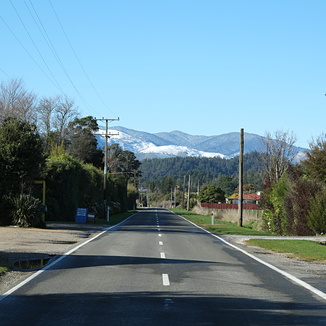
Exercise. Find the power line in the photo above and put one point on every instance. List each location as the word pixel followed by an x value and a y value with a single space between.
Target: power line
pixel 37 49
pixel 77 58
pixel 22 45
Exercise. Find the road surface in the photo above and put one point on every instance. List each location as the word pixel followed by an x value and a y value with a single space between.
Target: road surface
pixel 159 269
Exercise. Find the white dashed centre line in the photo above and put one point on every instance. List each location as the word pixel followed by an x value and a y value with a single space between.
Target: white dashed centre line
pixel 162 255
pixel 160 243
pixel 160 235
pixel 166 281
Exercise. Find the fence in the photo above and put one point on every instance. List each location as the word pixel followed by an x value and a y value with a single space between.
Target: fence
pixel 229 206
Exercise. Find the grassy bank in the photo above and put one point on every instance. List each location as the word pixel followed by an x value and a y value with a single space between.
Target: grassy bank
pixel 220 227
pixel 302 249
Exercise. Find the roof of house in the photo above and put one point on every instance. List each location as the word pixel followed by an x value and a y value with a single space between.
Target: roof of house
pixel 254 196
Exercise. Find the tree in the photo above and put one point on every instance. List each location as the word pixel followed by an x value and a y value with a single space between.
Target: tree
pixel 123 162
pixel 17 102
pixel 278 154
pixel 82 143
pixel 64 113
pixel 46 109
pixel 21 154
pixel 211 194
pixel 167 184
pixel 21 162
pixel 315 164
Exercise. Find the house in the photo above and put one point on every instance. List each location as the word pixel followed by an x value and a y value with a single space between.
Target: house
pixel 253 198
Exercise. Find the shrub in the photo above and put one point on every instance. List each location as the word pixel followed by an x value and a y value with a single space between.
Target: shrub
pixel 274 217
pixel 317 213
pixel 297 201
pixel 25 211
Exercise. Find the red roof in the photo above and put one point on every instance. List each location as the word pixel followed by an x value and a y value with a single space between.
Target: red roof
pixel 249 196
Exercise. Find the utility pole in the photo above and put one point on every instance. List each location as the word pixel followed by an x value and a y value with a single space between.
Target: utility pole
pixel 183 191
pixel 188 198
pixel 240 197
pixel 107 136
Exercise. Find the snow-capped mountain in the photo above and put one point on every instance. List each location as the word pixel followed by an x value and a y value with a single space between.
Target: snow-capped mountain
pixel 177 143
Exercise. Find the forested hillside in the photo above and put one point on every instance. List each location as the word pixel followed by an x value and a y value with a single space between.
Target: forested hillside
pixel 203 171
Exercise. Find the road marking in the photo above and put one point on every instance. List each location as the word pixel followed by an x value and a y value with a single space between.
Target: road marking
pixel 18 286
pixel 159 230
pixel 160 243
pixel 159 234
pixel 274 268
pixel 162 255
pixel 166 281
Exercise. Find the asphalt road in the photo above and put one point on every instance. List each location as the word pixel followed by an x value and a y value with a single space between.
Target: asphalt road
pixel 158 269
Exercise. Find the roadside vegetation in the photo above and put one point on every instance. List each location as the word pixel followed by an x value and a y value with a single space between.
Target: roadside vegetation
pixel 48 151
pixel 219 227
pixel 301 249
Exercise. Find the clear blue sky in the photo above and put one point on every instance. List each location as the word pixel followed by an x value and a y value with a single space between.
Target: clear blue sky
pixel 204 67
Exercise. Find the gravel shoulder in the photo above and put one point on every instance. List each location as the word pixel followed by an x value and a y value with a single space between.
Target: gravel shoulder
pixel 18 244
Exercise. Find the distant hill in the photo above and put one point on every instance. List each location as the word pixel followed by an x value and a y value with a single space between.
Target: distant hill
pixel 177 143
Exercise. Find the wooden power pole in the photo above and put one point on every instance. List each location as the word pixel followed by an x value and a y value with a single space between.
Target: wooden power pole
pixel 240 197
pixel 107 136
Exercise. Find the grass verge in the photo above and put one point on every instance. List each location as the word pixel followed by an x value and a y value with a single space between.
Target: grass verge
pixel 117 218
pixel 301 249
pixel 220 227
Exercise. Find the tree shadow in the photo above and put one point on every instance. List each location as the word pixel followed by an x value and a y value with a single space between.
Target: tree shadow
pixel 154 308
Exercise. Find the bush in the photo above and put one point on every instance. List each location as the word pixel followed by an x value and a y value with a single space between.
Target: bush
pixel 297 202
pixel 317 213
pixel 274 217
pixel 25 211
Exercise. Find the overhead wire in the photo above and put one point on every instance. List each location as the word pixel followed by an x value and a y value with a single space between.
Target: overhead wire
pixel 29 54
pixel 61 63
pixel 42 30
pixel 36 47
pixel 78 60
pixel 5 73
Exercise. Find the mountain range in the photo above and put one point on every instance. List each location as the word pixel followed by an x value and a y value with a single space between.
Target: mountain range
pixel 177 143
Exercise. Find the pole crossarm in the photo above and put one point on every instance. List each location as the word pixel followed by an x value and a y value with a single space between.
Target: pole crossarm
pixel 107 135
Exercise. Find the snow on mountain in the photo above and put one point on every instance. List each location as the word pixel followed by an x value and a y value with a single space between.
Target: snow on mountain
pixel 143 148
pixel 177 143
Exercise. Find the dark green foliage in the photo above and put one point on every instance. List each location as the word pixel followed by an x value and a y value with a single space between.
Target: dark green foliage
pixel 287 203
pixel 217 171
pixel 21 162
pixel 317 213
pixel 25 211
pixel 297 201
pixel 71 184
pixel 21 155
pixel 123 163
pixel 132 193
pixel 315 164
pixel 227 183
pixel 167 184
pixel 274 211
pixel 82 143
pixel 211 194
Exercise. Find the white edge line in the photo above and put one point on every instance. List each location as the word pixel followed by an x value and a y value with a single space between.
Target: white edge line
pixel 276 269
pixel 18 286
